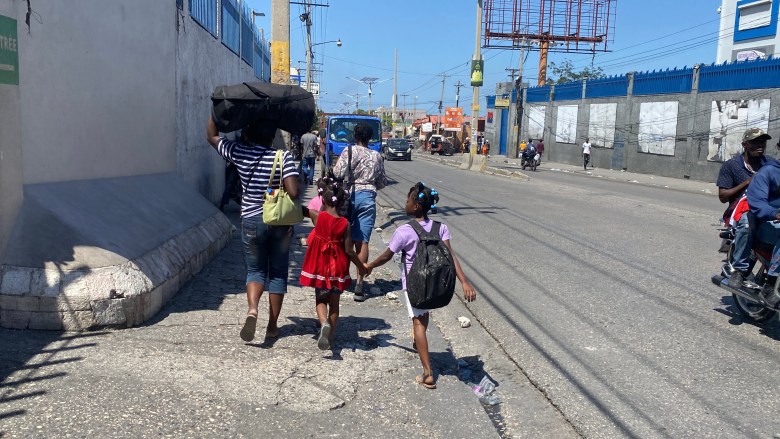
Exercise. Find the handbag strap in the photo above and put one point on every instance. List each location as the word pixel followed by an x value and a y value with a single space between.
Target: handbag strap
pixel 350 184
pixel 273 170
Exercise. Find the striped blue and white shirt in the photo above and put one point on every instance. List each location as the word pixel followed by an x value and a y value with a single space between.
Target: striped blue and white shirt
pixel 254 164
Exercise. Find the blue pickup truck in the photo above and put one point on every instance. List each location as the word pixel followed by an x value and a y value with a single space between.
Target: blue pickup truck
pixel 339 133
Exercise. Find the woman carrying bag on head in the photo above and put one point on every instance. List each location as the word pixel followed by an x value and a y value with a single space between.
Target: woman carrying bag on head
pixel 266 247
pixel 364 175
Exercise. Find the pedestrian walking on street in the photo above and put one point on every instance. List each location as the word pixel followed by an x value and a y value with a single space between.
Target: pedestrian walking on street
pixel 267 248
pixel 419 202
pixel 310 143
pixel 329 252
pixel 586 153
pixel 485 148
pixel 368 176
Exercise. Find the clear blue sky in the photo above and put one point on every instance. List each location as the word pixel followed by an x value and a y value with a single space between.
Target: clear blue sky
pixel 434 36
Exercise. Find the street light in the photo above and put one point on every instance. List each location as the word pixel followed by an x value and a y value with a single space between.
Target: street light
pixel 256 14
pixel 369 81
pixel 338 42
pixel 309 56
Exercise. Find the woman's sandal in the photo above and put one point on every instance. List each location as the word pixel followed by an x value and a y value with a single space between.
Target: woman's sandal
pixel 421 380
pixel 248 331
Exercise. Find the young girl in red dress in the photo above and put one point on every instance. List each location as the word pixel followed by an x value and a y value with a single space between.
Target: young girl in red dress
pixel 329 252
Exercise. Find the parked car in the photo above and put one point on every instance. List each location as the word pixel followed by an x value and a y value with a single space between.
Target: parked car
pixel 397 149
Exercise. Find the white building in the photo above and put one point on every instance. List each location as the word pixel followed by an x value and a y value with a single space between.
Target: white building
pixel 748 30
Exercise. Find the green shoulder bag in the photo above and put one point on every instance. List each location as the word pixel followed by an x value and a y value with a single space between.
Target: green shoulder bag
pixel 279 209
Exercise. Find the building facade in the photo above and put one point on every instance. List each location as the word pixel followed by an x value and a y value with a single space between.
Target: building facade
pixel 748 30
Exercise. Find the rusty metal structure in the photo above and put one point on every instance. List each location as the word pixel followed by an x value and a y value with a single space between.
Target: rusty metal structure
pixel 568 26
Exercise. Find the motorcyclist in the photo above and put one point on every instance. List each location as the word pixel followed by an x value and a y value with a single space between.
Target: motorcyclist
pixel 529 152
pixel 763 196
pixel 734 177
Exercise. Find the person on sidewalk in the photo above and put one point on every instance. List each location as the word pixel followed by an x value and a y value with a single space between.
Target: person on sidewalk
pixel 368 176
pixel 485 148
pixel 540 149
pixel 267 248
pixel 328 253
pixel 419 201
pixel 310 143
pixel 733 179
pixel 586 153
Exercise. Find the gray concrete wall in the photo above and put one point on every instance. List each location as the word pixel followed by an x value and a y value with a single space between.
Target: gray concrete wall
pixel 98 95
pixel 692 133
pixel 202 63
pixel 10 144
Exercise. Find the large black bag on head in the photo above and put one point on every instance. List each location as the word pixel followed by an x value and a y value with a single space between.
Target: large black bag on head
pixel 288 107
pixel 430 282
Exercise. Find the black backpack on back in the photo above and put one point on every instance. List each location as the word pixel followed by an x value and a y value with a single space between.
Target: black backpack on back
pixel 430 282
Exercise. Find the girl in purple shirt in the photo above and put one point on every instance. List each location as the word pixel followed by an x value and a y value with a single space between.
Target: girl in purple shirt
pixel 419 202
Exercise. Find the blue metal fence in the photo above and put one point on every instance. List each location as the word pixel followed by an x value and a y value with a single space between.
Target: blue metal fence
pixel 538 94
pixel 568 91
pixel 231 25
pixel 663 82
pixel 247 36
pixel 236 31
pixel 740 75
pixel 606 87
pixel 204 12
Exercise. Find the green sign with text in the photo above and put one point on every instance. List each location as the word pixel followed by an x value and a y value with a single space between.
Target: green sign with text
pixel 9 51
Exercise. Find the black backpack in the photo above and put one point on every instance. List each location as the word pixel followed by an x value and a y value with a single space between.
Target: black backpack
pixel 430 282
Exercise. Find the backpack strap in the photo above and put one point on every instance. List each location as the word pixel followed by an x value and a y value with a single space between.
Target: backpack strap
pixel 422 234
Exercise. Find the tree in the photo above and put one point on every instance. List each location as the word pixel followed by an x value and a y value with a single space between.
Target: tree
pixel 565 73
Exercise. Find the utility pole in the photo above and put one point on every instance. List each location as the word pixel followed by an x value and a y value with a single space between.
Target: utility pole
pixel 512 73
pixel 356 97
pixel 457 93
pixel 441 101
pixel 475 98
pixel 307 18
pixel 280 41
pixel 280 55
pixel 395 88
pixel 406 115
pixel 519 96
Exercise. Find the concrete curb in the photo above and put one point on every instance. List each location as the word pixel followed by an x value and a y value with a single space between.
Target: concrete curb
pixel 60 298
pixel 483 168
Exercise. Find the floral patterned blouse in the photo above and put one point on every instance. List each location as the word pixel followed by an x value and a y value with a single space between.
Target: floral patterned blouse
pixel 368 168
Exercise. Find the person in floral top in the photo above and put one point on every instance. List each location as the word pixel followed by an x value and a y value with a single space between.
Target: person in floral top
pixel 368 176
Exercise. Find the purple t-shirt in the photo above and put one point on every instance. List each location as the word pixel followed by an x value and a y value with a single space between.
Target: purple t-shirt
pixel 406 239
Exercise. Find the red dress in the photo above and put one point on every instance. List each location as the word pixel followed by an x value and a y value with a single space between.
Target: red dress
pixel 326 264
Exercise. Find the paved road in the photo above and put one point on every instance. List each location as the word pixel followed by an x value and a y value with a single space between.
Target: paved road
pixel 600 293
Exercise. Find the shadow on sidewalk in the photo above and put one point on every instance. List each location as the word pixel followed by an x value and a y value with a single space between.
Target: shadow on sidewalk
pixel 19 347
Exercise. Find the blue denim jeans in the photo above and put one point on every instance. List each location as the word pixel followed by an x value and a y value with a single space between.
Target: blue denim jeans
pixel 769 232
pixel 267 251
pixel 307 163
pixel 740 260
pixel 363 215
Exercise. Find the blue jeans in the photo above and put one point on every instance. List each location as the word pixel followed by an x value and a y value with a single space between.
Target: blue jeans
pixel 363 215
pixel 307 163
pixel 769 232
pixel 267 251
pixel 740 260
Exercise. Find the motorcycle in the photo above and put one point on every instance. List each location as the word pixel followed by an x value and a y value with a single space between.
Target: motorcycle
pixel 527 160
pixel 748 298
